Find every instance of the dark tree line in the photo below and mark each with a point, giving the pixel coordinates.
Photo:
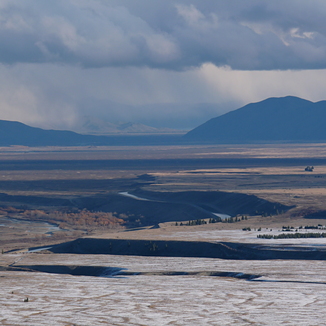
(292, 235)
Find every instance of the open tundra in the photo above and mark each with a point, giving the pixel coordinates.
(81, 246)
(286, 292)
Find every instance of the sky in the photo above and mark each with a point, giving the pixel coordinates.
(164, 63)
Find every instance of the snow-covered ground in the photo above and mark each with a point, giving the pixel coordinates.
(189, 233)
(288, 293)
(222, 216)
(127, 194)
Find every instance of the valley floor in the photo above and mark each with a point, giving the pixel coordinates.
(150, 290)
(287, 293)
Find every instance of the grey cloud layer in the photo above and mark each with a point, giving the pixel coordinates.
(245, 35)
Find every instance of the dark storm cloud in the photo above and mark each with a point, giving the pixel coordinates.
(245, 35)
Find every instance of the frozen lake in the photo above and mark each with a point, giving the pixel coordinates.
(288, 293)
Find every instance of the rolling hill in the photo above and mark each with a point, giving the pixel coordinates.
(285, 119)
(17, 133)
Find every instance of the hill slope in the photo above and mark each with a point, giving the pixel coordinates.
(286, 119)
(17, 133)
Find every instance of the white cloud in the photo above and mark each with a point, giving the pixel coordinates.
(244, 87)
(191, 15)
(88, 33)
(250, 35)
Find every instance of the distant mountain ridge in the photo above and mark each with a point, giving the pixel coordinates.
(284, 119)
(95, 126)
(17, 133)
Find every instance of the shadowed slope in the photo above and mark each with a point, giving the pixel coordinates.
(161, 248)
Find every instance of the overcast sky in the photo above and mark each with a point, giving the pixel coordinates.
(165, 63)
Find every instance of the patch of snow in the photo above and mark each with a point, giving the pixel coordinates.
(126, 194)
(222, 216)
(39, 249)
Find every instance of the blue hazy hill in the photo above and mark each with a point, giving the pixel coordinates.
(17, 133)
(285, 119)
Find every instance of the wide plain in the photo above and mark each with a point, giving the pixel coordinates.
(163, 290)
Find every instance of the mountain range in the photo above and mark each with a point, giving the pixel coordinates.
(284, 119)
(91, 125)
(17, 133)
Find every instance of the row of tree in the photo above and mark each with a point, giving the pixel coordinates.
(213, 220)
(292, 235)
